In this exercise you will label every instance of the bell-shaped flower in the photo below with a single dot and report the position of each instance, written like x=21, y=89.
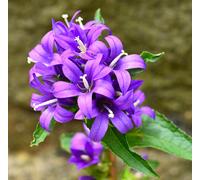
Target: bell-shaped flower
x=77, y=37
x=84, y=84
x=84, y=152
x=118, y=60
x=49, y=105
x=137, y=110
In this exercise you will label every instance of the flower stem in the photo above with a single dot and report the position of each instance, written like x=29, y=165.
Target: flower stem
x=113, y=170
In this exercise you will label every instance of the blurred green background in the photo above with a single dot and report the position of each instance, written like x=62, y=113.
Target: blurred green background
x=153, y=25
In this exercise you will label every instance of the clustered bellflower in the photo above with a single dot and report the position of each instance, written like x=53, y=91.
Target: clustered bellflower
x=76, y=68
x=84, y=152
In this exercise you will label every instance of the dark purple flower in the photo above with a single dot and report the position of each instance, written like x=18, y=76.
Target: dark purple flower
x=84, y=84
x=77, y=37
x=49, y=105
x=86, y=178
x=118, y=60
x=113, y=111
x=77, y=69
x=84, y=152
x=44, y=51
x=136, y=110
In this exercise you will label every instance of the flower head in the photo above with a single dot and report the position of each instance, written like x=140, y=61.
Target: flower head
x=74, y=67
x=84, y=151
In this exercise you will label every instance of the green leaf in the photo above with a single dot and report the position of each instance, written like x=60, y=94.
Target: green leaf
x=117, y=143
x=65, y=140
x=39, y=135
x=150, y=57
x=154, y=164
x=161, y=134
x=98, y=17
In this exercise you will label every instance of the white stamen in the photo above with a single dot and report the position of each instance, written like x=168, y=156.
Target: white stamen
x=117, y=58
x=85, y=82
x=65, y=16
x=79, y=20
x=85, y=157
x=136, y=102
x=111, y=114
x=44, y=103
x=29, y=60
x=81, y=46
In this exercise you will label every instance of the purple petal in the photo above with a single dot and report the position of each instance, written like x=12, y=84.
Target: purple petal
x=74, y=16
x=85, y=104
x=58, y=27
x=104, y=88
x=77, y=152
x=43, y=88
x=38, y=99
x=95, y=32
x=122, y=122
x=71, y=71
x=40, y=69
x=78, y=141
x=139, y=97
x=91, y=66
x=56, y=60
x=64, y=42
x=62, y=115
x=137, y=119
x=115, y=46
x=94, y=70
x=79, y=115
x=48, y=41
x=63, y=89
x=131, y=62
x=99, y=47
x=86, y=178
x=135, y=84
x=125, y=101
x=46, y=117
x=40, y=54
x=148, y=111
x=89, y=148
x=99, y=127
x=124, y=79
x=101, y=72
x=98, y=148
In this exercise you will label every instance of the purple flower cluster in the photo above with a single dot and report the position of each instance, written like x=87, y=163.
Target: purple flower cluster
x=84, y=152
x=81, y=74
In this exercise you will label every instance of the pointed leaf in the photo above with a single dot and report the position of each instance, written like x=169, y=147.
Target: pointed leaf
x=39, y=135
x=98, y=17
x=161, y=134
x=117, y=143
x=150, y=57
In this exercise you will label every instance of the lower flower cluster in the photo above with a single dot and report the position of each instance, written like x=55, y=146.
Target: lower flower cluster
x=81, y=74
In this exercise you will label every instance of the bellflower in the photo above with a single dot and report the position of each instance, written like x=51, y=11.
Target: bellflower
x=49, y=105
x=84, y=152
x=136, y=110
x=118, y=60
x=113, y=110
x=84, y=84
x=77, y=37
x=78, y=69
x=86, y=178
